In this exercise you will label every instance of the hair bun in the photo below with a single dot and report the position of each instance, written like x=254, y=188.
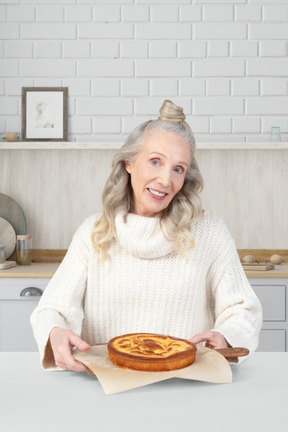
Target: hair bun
x=171, y=112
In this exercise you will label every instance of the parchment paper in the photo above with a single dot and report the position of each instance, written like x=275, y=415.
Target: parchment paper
x=208, y=366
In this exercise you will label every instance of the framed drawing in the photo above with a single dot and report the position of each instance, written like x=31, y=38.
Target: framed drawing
x=44, y=113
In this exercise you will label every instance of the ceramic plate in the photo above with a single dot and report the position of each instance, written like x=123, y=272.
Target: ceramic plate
x=7, y=237
x=12, y=212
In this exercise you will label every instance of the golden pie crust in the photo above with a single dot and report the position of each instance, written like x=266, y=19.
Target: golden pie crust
x=151, y=352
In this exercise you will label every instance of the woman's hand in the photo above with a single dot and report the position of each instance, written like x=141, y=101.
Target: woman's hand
x=213, y=339
x=62, y=341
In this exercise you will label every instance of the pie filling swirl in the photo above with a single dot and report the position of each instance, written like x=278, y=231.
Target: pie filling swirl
x=145, y=346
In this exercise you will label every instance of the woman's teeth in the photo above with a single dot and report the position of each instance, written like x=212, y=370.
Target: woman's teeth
x=154, y=192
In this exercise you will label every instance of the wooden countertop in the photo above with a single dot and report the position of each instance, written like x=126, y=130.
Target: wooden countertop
x=38, y=270
x=47, y=270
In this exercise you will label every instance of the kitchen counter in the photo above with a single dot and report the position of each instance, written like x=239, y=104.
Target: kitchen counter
x=48, y=269
x=39, y=270
x=32, y=399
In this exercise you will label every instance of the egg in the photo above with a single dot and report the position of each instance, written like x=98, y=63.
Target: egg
x=249, y=259
x=11, y=136
x=276, y=259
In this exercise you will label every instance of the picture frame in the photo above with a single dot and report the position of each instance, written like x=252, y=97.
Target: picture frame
x=44, y=113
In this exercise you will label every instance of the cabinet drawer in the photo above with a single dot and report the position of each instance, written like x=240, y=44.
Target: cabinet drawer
x=272, y=340
x=273, y=300
x=11, y=289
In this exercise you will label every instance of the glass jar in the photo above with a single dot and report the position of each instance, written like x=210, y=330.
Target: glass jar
x=24, y=249
x=275, y=134
x=2, y=254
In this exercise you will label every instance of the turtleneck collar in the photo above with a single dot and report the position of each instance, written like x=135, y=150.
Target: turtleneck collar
x=142, y=236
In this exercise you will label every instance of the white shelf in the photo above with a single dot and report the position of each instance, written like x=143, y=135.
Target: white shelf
x=74, y=145
x=60, y=145
x=242, y=145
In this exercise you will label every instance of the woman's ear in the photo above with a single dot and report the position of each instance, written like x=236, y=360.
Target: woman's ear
x=128, y=166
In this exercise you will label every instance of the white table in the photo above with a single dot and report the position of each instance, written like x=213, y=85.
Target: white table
x=35, y=400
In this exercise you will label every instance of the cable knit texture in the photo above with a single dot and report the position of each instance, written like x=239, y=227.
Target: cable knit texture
x=145, y=286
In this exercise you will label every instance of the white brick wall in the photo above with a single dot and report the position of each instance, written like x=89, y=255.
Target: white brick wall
x=224, y=61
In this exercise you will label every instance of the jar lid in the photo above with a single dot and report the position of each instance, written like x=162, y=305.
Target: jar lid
x=24, y=237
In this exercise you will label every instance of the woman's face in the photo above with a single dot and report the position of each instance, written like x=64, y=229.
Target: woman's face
x=158, y=172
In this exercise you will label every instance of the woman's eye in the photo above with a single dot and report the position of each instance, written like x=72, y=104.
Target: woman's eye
x=179, y=170
x=155, y=162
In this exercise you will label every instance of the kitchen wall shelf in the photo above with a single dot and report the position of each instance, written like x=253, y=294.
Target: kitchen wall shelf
x=75, y=145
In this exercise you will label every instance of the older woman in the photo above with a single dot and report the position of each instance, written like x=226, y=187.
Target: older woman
x=153, y=261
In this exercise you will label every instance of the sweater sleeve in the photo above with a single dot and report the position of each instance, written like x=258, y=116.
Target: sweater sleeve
x=61, y=304
x=238, y=311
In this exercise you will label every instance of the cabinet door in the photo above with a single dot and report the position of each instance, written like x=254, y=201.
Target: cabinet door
x=272, y=294
x=272, y=340
x=15, y=328
x=273, y=300
x=18, y=298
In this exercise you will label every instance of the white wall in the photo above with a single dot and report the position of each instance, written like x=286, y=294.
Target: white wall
x=224, y=62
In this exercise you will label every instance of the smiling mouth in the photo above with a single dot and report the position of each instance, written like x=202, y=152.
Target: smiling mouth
x=157, y=193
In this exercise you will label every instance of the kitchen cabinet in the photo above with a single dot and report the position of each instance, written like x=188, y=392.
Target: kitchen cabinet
x=18, y=299
x=272, y=292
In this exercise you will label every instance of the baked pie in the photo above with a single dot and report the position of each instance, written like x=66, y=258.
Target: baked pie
x=151, y=352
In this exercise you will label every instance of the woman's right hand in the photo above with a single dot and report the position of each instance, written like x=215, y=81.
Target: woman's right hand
x=62, y=341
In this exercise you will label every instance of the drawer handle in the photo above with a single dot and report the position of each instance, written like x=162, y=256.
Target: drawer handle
x=31, y=292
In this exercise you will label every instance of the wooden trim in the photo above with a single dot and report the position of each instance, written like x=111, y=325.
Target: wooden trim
x=48, y=255
x=44, y=255
x=57, y=255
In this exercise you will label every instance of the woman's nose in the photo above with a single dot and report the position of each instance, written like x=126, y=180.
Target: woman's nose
x=165, y=177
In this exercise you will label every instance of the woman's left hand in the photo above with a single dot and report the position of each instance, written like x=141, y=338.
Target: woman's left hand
x=213, y=339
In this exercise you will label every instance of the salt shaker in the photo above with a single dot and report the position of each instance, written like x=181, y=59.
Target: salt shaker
x=24, y=249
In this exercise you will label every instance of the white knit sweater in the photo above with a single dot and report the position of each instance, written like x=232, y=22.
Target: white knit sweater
x=146, y=286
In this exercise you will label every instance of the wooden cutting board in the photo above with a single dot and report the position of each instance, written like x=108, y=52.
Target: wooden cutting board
x=258, y=267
